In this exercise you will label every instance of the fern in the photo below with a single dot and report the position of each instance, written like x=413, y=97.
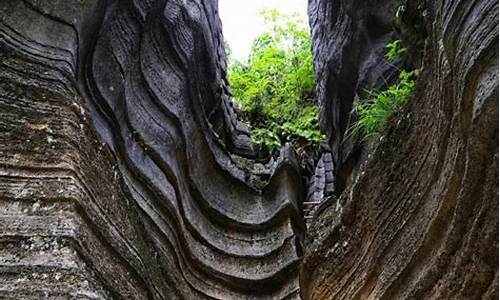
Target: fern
x=373, y=114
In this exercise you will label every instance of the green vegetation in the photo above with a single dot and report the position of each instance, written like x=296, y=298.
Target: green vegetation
x=275, y=86
x=373, y=114
x=394, y=50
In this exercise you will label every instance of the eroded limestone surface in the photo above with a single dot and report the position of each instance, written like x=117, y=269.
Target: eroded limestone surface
x=124, y=172
x=420, y=219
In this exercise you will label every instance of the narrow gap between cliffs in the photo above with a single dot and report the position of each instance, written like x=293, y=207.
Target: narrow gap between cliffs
x=272, y=82
x=272, y=88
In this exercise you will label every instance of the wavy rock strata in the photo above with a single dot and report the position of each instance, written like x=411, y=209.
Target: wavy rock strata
x=124, y=172
x=420, y=220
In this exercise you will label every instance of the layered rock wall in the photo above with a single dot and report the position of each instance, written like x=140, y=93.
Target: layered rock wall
x=125, y=173
x=419, y=220
x=119, y=168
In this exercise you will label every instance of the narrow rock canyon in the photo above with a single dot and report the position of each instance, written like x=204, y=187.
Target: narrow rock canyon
x=126, y=173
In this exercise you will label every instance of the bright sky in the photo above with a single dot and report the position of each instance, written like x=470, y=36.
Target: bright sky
x=241, y=21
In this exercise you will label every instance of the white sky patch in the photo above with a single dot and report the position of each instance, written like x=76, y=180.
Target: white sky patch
x=242, y=23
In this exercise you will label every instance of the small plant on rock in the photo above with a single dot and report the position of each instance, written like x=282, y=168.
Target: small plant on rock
x=373, y=115
x=381, y=105
x=394, y=50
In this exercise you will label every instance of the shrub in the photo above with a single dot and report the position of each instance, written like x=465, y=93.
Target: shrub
x=274, y=87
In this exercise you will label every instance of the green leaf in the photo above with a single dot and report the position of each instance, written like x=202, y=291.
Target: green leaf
x=394, y=50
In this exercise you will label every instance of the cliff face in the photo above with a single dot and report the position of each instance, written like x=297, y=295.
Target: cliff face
x=119, y=168
x=420, y=217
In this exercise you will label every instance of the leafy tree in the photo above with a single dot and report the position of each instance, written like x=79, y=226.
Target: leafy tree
x=275, y=86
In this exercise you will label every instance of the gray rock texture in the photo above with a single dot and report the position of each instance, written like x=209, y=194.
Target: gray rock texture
x=419, y=220
x=349, y=40
x=124, y=172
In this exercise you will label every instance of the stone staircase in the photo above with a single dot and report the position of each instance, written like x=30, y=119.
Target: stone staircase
x=320, y=187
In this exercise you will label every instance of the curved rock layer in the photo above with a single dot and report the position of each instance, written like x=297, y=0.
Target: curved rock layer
x=420, y=220
x=124, y=172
